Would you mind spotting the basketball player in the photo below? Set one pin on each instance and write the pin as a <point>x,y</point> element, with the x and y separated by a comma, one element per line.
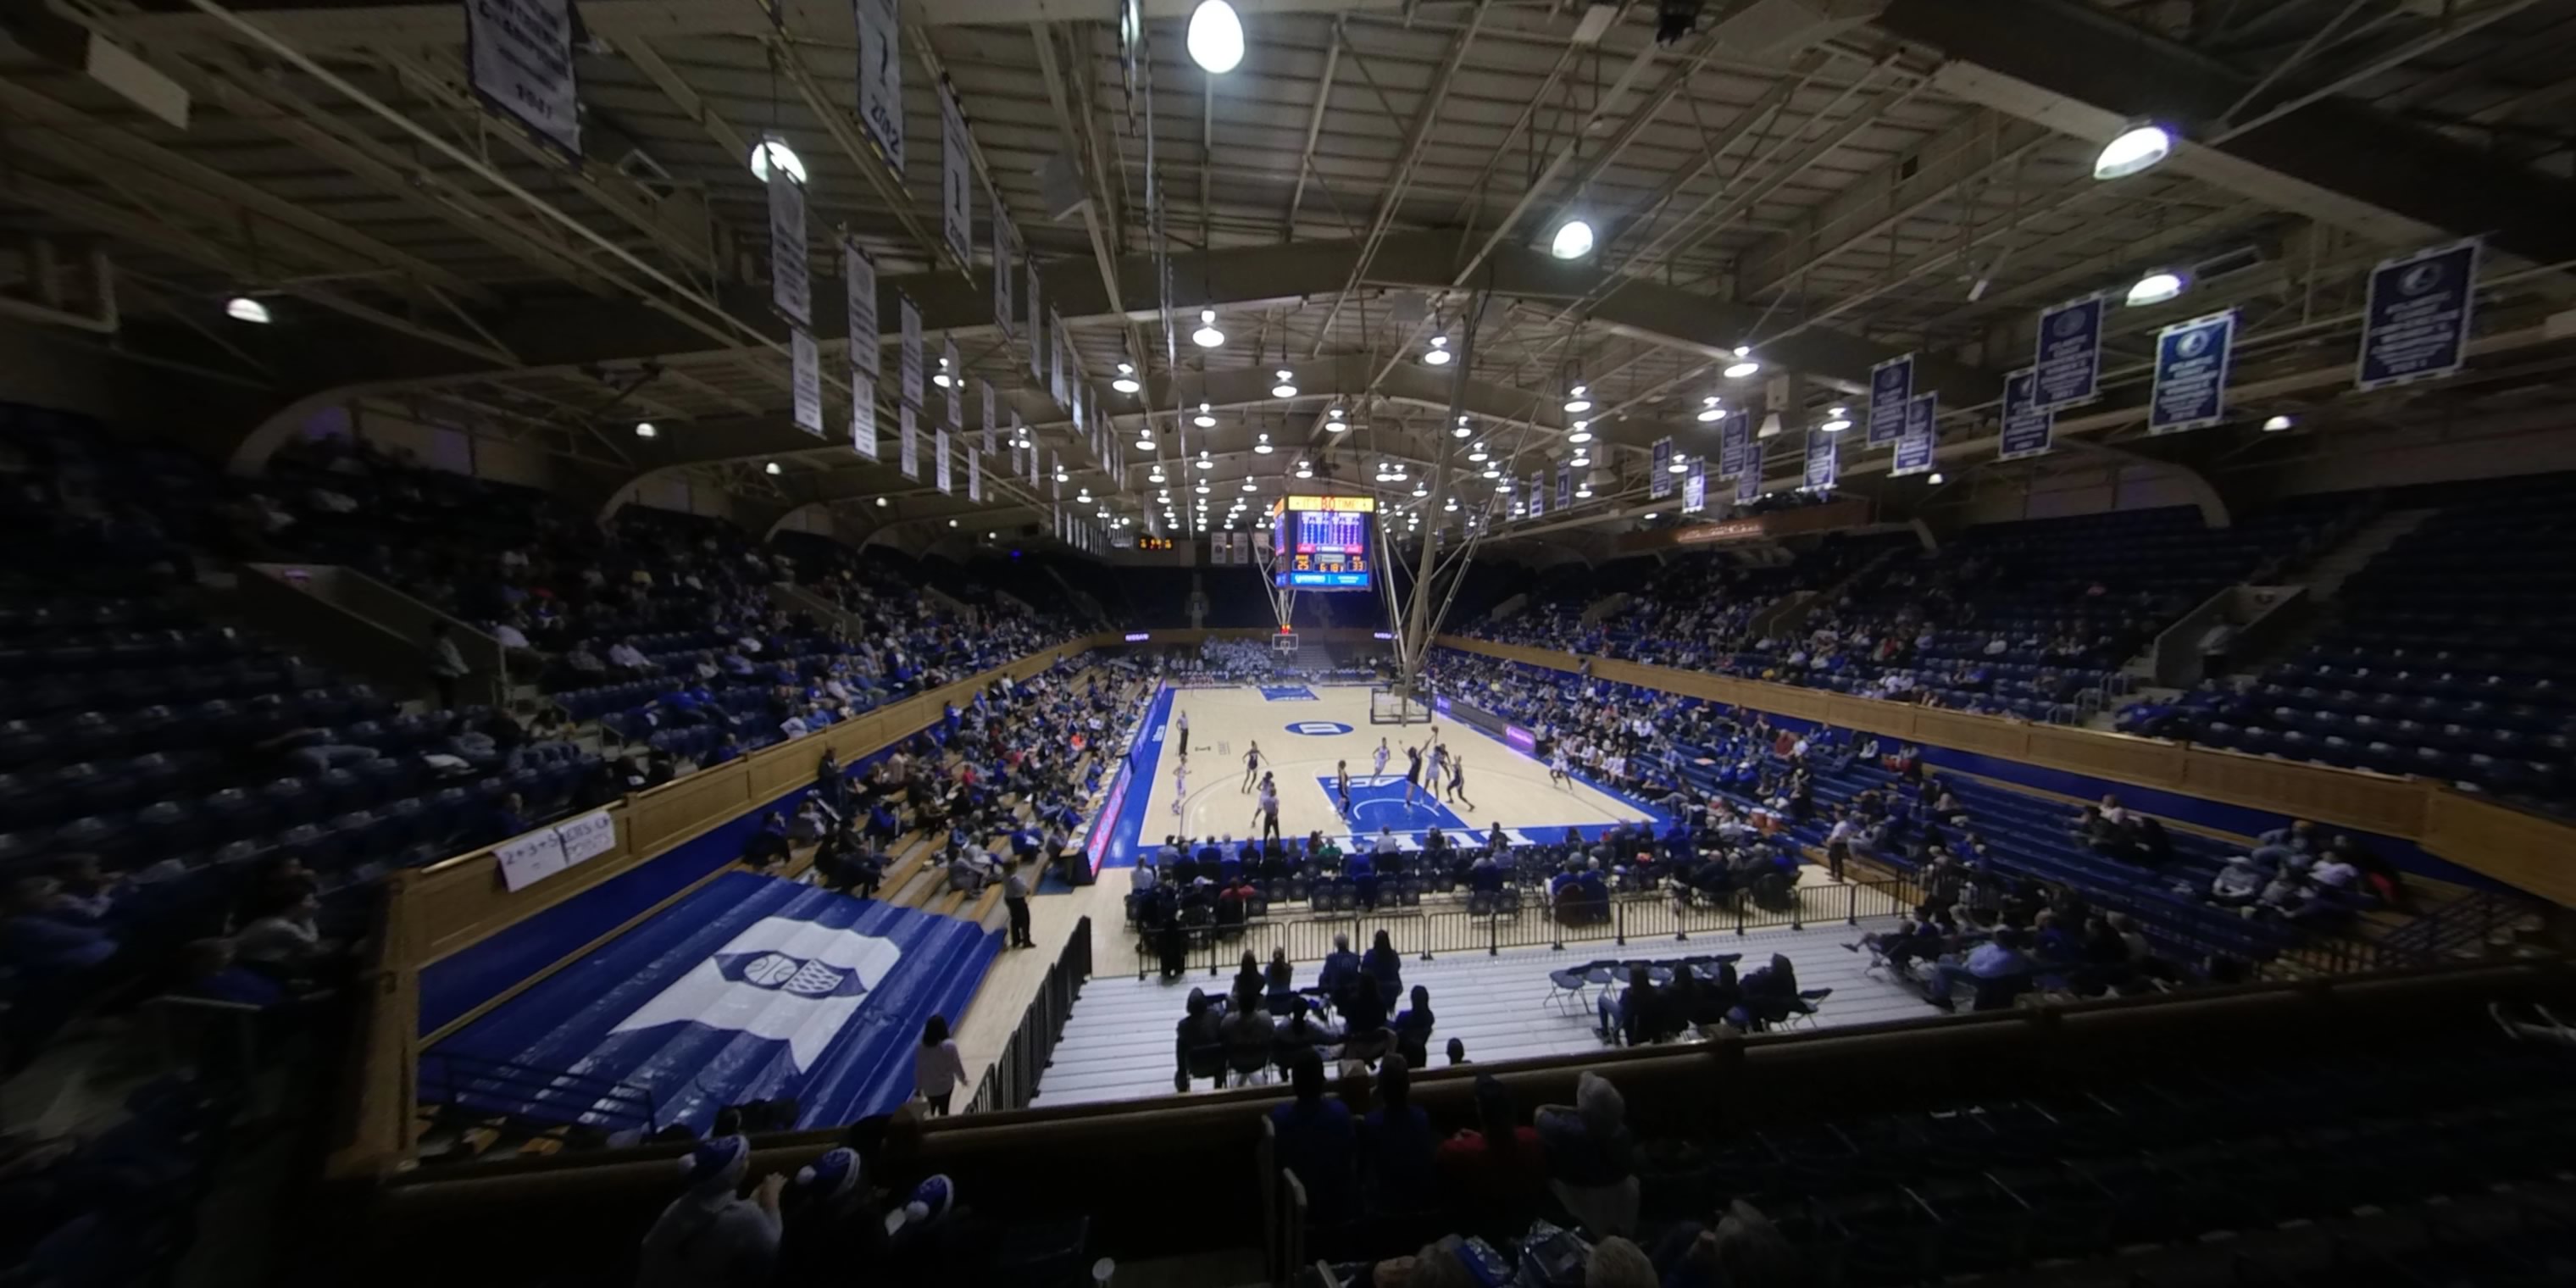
<point>1251,765</point>
<point>1412,774</point>
<point>1439,762</point>
<point>1458,781</point>
<point>1557,769</point>
<point>1269,816</point>
<point>1381,758</point>
<point>1342,781</point>
<point>1180,783</point>
<point>1183,721</point>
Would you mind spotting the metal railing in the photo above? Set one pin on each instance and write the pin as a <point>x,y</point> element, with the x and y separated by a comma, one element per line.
<point>485,1085</point>
<point>1013,1079</point>
<point>1427,933</point>
<point>2448,932</point>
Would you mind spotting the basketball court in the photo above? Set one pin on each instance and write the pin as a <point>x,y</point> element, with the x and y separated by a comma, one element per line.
<point>1305,730</point>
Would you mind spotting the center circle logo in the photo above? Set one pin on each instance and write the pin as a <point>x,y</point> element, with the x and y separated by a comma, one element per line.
<point>1318,728</point>
<point>2193,342</point>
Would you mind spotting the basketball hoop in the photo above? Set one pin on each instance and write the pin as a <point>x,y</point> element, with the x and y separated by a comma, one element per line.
<point>1284,643</point>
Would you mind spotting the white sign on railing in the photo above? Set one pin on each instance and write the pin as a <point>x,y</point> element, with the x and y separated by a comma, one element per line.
<point>587,837</point>
<point>530,859</point>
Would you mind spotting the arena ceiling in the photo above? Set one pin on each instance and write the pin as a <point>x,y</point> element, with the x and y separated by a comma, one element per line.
<point>1826,182</point>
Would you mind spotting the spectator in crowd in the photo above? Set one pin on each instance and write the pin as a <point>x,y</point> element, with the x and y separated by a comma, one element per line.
<point>1397,1146</point>
<point>1413,1029</point>
<point>1591,1158</point>
<point>1385,967</point>
<point>1315,1139</point>
<point>937,1067</point>
<point>709,1237</point>
<point>1498,1170</point>
<point>1198,1044</point>
<point>447,669</point>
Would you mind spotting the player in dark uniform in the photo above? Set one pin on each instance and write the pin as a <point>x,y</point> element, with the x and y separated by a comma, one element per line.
<point>1458,780</point>
<point>1251,767</point>
<point>1342,780</point>
<point>1412,774</point>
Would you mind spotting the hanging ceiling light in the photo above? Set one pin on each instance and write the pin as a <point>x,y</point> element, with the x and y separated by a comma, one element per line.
<point>940,378</point>
<point>2156,287</point>
<point>1250,486</point>
<point>1084,496</point>
<point>1438,355</point>
<point>1060,475</point>
<point>1126,382</point>
<point>1573,239</point>
<point>1305,471</point>
<point>1421,489</point>
<point>1451,506</point>
<point>645,429</point>
<point>1204,462</point>
<point>1709,410</point>
<point>1203,420</point>
<point>773,468</point>
<point>1156,477</point>
<point>1202,490</point>
<point>1581,458</point>
<point>1580,433</point>
<point>1503,486</point>
<point>1680,464</point>
<point>1333,421</point>
<point>773,149</point>
<point>1583,490</point>
<point>1935,480</point>
<point>1462,429</point>
<point>1743,366</point>
<point>1145,437</point>
<point>1578,398</point>
<point>1262,445</point>
<point>242,308</point>
<point>1477,457</point>
<point>2136,148</point>
<point>1493,471</point>
<point>1215,37</point>
<point>1835,422</point>
<point>1287,386</point>
<point>2276,424</point>
<point>883,503</point>
<point>1207,336</point>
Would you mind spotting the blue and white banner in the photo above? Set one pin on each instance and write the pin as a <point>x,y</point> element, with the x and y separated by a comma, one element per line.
<point>1824,462</point>
<point>859,290</point>
<point>1695,487</point>
<point>1660,485</point>
<point>1891,386</point>
<point>2029,429</point>
<point>1748,485</point>
<point>2416,326</point>
<point>909,391</point>
<point>791,276</point>
<point>863,414</point>
<point>992,427</point>
<point>1564,487</point>
<point>1919,445</point>
<point>805,380</point>
<point>1538,494</point>
<point>909,450</point>
<point>791,981</point>
<point>956,180</point>
<point>518,56</point>
<point>1037,325</point>
<point>881,76</point>
<point>1733,439</point>
<point>951,366</point>
<point>974,476</point>
<point>2069,358</point>
<point>939,459</point>
<point>2191,374</point>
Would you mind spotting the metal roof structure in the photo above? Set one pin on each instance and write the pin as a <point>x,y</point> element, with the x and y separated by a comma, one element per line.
<point>1825,183</point>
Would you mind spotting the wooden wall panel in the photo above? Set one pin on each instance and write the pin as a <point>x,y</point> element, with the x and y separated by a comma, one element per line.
<point>2526,850</point>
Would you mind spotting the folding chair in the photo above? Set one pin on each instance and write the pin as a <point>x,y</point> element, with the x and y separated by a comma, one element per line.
<point>1569,983</point>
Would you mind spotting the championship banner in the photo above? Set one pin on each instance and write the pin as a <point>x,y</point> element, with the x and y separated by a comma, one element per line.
<point>859,283</point>
<point>791,277</point>
<point>1919,445</point>
<point>1891,387</point>
<point>1733,438</point>
<point>1564,487</point>
<point>518,56</point>
<point>974,476</point>
<point>1748,485</point>
<point>1005,240</point>
<point>881,76</point>
<point>2069,358</point>
<point>956,179</point>
<point>909,392</point>
<point>1037,328</point>
<point>1824,463</point>
<point>805,359</point>
<point>1538,494</point>
<point>2029,429</point>
<point>939,460</point>
<point>909,449</point>
<point>956,371</point>
<point>1660,485</point>
<point>2191,374</point>
<point>991,429</point>
<point>1055,360</point>
<point>863,415</point>
<point>1695,487</point>
<point>2416,326</point>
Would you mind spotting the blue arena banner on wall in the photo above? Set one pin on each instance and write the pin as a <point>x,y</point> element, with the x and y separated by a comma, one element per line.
<point>1824,463</point>
<point>1695,487</point>
<point>2029,429</point>
<point>2416,326</point>
<point>1538,494</point>
<point>2191,374</point>
<point>1891,386</point>
<point>1661,485</point>
<point>2069,360</point>
<point>1732,439</point>
<point>1920,443</point>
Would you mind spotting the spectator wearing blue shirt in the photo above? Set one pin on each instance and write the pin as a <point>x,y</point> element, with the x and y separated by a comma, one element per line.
<point>1316,1140</point>
<point>45,938</point>
<point>1397,1146</point>
<point>1339,966</point>
<point>1995,964</point>
<point>1385,966</point>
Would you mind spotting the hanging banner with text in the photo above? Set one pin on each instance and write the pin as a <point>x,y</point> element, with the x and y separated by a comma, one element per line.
<point>863,415</point>
<point>806,359</point>
<point>2069,356</point>
<point>955,370</point>
<point>2029,429</point>
<point>908,392</point>
<point>791,278</point>
<point>1824,462</point>
<point>1920,444</point>
<point>1891,387</point>
<point>1564,487</point>
<point>2416,326</point>
<point>1733,440</point>
<point>1695,487</point>
<point>2191,374</point>
<point>939,459</point>
<point>1661,484</point>
<point>1748,485</point>
<point>881,76</point>
<point>956,180</point>
<point>518,54</point>
<point>1005,254</point>
<point>859,284</point>
<point>908,446</point>
<point>992,430</point>
<point>974,476</point>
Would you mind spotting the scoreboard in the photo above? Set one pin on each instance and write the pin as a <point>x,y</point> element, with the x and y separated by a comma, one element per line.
<point>1322,542</point>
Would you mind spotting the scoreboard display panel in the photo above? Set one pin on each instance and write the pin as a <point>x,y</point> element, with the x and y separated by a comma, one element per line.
<point>1322,542</point>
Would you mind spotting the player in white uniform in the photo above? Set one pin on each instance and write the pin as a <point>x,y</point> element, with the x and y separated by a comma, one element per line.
<point>1381,758</point>
<point>1558,771</point>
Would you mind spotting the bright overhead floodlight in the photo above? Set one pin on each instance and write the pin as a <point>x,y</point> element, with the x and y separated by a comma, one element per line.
<point>1680,464</point>
<point>1204,462</point>
<point>1126,383</point>
<point>2276,424</point>
<point>1573,240</point>
<point>1836,424</point>
<point>940,377</point>
<point>2156,288</point>
<point>1262,447</point>
<point>1578,398</point>
<point>2137,148</point>
<point>1742,367</point>
<point>1438,356</point>
<point>773,468</point>
<point>1709,411</point>
<point>1935,479</point>
<point>1145,441</point>
<point>1207,336</point>
<point>1477,457</point>
<point>242,308</point>
<point>1305,471</point>
<point>773,149</point>
<point>1203,420</point>
<point>1287,386</point>
<point>1216,37</point>
<point>645,429</point>
<point>1579,433</point>
<point>883,503</point>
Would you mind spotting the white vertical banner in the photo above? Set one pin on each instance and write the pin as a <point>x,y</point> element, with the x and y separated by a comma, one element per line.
<point>939,459</point>
<point>955,369</point>
<point>1005,261</point>
<point>859,284</point>
<point>863,415</point>
<point>1019,430</point>
<point>1056,360</point>
<point>956,179</point>
<point>806,357</point>
<point>991,426</point>
<point>791,276</point>
<point>881,76</point>
<point>974,476</point>
<point>518,54</point>
<point>909,392</point>
<point>909,448</point>
<point>1037,327</point>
